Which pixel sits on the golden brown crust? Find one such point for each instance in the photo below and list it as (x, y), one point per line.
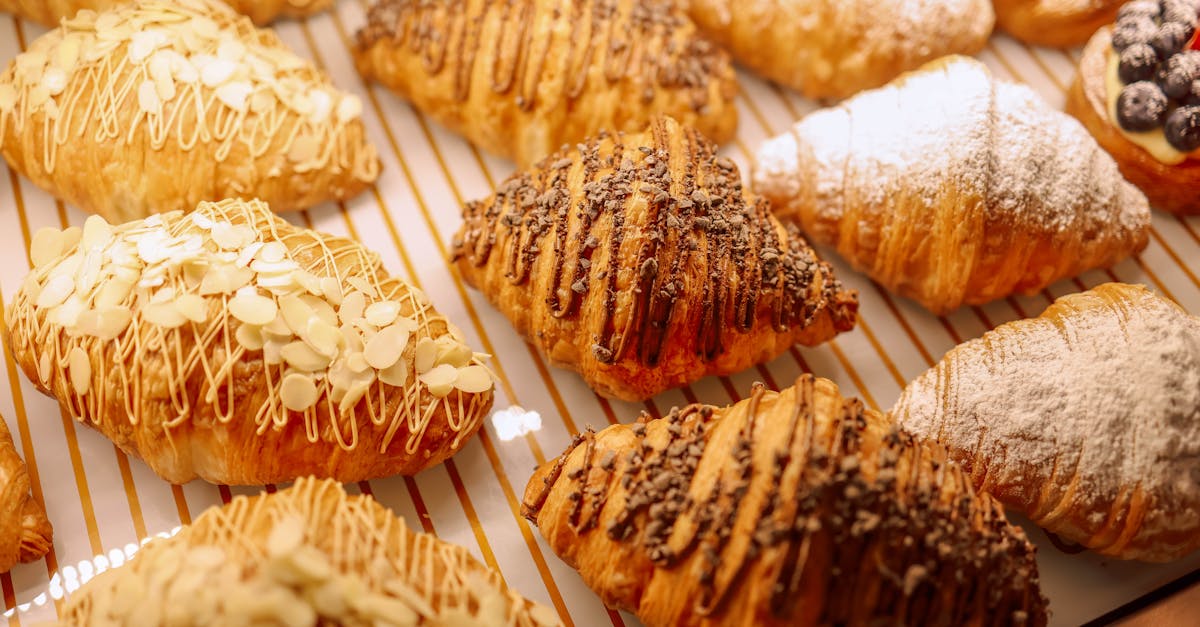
(1086, 419)
(1169, 187)
(1054, 23)
(157, 106)
(190, 381)
(951, 187)
(790, 508)
(640, 262)
(25, 533)
(309, 554)
(522, 78)
(51, 12)
(835, 48)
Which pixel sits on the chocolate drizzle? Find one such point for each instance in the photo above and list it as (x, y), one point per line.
(842, 517)
(636, 225)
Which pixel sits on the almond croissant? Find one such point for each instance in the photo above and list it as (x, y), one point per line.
(789, 508)
(638, 261)
(1087, 419)
(307, 555)
(951, 187)
(155, 106)
(51, 12)
(230, 345)
(521, 78)
(25, 533)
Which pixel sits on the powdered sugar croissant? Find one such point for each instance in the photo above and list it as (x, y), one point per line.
(230, 345)
(835, 48)
(639, 261)
(1059, 23)
(521, 78)
(951, 187)
(51, 12)
(1086, 418)
(25, 533)
(155, 106)
(307, 555)
(790, 508)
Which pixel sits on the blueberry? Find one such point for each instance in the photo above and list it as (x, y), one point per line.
(1138, 63)
(1136, 30)
(1140, 8)
(1182, 11)
(1177, 73)
(1193, 96)
(1183, 128)
(1141, 107)
(1171, 38)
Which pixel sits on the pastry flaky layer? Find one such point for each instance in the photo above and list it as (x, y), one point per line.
(522, 78)
(639, 261)
(51, 12)
(1086, 418)
(951, 187)
(307, 555)
(25, 532)
(1170, 187)
(835, 48)
(230, 345)
(155, 106)
(790, 508)
(1055, 23)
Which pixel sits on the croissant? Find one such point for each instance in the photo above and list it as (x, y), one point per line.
(1086, 419)
(307, 555)
(951, 187)
(51, 12)
(25, 533)
(790, 508)
(835, 48)
(638, 261)
(230, 345)
(156, 106)
(520, 78)
(1055, 23)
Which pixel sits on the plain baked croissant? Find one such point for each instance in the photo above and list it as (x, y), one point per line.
(790, 508)
(51, 12)
(155, 106)
(307, 555)
(639, 261)
(1087, 419)
(521, 78)
(1057, 23)
(25, 533)
(230, 345)
(835, 48)
(951, 187)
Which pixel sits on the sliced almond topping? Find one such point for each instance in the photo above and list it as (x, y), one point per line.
(356, 391)
(302, 357)
(352, 307)
(357, 363)
(331, 289)
(56, 290)
(225, 280)
(296, 313)
(46, 246)
(382, 313)
(54, 80)
(163, 314)
(440, 380)
(286, 535)
(426, 356)
(252, 308)
(43, 368)
(112, 293)
(80, 369)
(105, 323)
(386, 347)
(396, 374)
(323, 337)
(231, 237)
(453, 353)
(272, 352)
(235, 95)
(97, 233)
(362, 285)
(298, 392)
(8, 98)
(249, 337)
(272, 252)
(193, 307)
(213, 71)
(322, 308)
(350, 108)
(279, 328)
(148, 98)
(231, 50)
(67, 314)
(473, 380)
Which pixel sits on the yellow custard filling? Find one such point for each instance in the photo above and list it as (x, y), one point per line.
(1153, 142)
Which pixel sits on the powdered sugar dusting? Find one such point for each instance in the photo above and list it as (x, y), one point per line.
(1100, 395)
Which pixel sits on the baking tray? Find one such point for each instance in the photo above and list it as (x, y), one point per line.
(103, 503)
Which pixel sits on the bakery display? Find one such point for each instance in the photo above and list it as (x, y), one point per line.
(307, 555)
(1138, 92)
(156, 106)
(790, 508)
(1087, 419)
(640, 262)
(831, 49)
(51, 12)
(1055, 23)
(951, 187)
(521, 78)
(25, 533)
(229, 345)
